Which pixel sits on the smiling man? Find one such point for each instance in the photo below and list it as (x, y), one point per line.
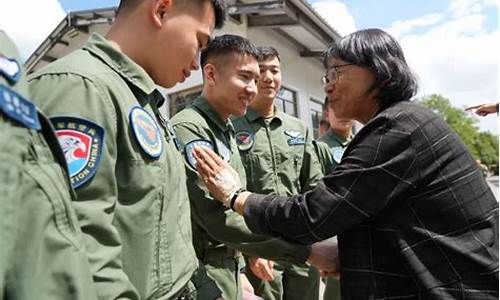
(132, 198)
(231, 75)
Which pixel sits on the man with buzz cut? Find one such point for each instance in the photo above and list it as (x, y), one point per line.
(279, 159)
(104, 103)
(231, 74)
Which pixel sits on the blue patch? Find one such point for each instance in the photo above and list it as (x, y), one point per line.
(82, 142)
(295, 139)
(337, 153)
(18, 108)
(146, 132)
(10, 69)
(223, 151)
(188, 150)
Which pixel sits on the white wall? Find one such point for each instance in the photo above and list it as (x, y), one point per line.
(300, 74)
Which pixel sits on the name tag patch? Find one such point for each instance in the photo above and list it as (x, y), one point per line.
(244, 140)
(295, 138)
(10, 69)
(146, 131)
(337, 153)
(188, 150)
(82, 142)
(18, 108)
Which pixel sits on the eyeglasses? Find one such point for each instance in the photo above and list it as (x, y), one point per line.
(332, 74)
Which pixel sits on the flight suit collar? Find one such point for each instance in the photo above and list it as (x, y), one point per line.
(253, 116)
(207, 109)
(125, 67)
(334, 136)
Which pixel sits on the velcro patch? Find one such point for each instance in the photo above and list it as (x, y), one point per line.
(10, 69)
(188, 150)
(295, 139)
(146, 131)
(82, 142)
(245, 140)
(337, 153)
(18, 108)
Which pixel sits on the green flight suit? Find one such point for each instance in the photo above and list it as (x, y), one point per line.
(132, 198)
(42, 253)
(279, 159)
(218, 230)
(330, 148)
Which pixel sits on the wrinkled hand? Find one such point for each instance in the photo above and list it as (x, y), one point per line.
(484, 109)
(261, 268)
(220, 178)
(324, 256)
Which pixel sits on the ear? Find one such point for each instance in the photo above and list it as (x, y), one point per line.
(210, 74)
(159, 10)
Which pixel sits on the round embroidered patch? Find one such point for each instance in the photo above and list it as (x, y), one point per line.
(244, 140)
(81, 142)
(146, 132)
(337, 153)
(10, 69)
(188, 150)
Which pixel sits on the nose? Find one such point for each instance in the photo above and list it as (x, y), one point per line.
(266, 76)
(251, 88)
(195, 64)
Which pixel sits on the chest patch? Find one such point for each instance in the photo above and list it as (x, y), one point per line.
(295, 138)
(244, 140)
(81, 142)
(146, 131)
(337, 153)
(18, 108)
(188, 150)
(10, 69)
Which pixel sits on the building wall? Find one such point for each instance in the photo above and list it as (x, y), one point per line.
(300, 74)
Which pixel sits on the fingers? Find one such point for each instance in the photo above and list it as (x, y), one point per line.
(473, 107)
(261, 268)
(204, 155)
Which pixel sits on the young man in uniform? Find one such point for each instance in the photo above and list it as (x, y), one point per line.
(231, 74)
(330, 146)
(279, 158)
(132, 199)
(42, 254)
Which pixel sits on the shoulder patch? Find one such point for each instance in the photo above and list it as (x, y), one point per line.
(188, 150)
(10, 69)
(18, 108)
(146, 131)
(337, 153)
(296, 138)
(245, 140)
(82, 142)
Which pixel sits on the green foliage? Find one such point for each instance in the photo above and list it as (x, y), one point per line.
(482, 145)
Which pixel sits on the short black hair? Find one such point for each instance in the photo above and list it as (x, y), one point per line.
(227, 44)
(219, 6)
(267, 52)
(377, 50)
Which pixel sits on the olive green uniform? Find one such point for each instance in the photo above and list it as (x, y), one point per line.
(218, 230)
(133, 207)
(279, 158)
(330, 148)
(42, 254)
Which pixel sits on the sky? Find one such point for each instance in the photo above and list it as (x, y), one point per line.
(451, 45)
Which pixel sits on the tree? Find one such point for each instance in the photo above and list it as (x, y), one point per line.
(482, 145)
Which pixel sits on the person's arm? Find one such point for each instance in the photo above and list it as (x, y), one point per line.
(311, 171)
(484, 109)
(380, 167)
(67, 95)
(223, 224)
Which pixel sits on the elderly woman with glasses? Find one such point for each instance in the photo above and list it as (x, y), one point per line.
(413, 214)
